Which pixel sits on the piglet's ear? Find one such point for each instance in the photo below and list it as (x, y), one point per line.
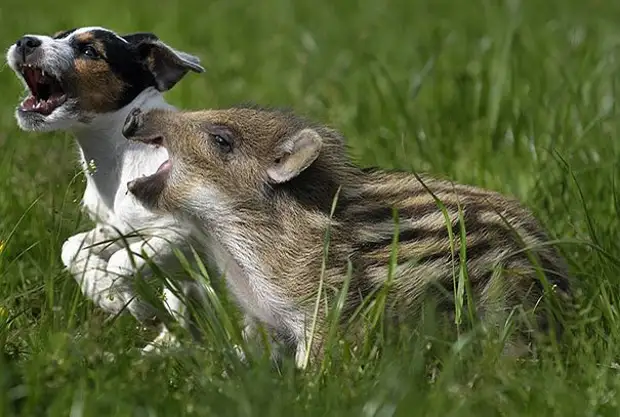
(298, 153)
(166, 64)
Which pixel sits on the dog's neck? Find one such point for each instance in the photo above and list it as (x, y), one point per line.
(102, 135)
(104, 150)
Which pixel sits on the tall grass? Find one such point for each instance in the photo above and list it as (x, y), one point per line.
(516, 96)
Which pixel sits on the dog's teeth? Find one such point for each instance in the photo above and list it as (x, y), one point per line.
(43, 73)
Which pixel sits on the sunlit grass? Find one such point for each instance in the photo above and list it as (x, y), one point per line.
(514, 96)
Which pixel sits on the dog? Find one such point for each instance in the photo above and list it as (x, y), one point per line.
(85, 81)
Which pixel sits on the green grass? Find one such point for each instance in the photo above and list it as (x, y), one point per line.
(514, 96)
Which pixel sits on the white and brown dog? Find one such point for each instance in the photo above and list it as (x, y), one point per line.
(86, 81)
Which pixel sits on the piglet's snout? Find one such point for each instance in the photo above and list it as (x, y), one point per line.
(137, 129)
(133, 123)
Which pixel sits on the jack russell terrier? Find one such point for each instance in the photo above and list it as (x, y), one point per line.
(85, 81)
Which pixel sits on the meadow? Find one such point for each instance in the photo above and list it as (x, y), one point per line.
(516, 96)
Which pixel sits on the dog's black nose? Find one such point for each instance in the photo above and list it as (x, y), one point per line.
(27, 45)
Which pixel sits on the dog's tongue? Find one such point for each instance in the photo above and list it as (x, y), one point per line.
(45, 107)
(29, 103)
(33, 77)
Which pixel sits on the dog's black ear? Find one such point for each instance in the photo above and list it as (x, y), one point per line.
(63, 33)
(166, 64)
(135, 38)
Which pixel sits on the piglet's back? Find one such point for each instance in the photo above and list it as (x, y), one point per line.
(499, 231)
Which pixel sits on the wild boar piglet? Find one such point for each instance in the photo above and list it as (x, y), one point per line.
(261, 183)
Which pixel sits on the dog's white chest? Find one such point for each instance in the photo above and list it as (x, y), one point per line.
(94, 205)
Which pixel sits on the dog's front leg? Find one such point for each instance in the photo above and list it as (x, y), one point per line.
(158, 250)
(85, 255)
(102, 240)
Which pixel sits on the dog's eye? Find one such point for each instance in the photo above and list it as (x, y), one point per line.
(90, 52)
(223, 143)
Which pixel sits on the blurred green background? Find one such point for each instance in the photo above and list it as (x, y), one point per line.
(518, 96)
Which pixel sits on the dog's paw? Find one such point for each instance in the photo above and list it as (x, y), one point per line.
(109, 301)
(241, 354)
(71, 249)
(164, 341)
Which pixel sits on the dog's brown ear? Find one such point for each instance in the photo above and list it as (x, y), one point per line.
(166, 64)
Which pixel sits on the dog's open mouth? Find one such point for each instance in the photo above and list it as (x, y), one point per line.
(46, 93)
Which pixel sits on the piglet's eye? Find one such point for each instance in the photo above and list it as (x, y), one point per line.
(90, 52)
(223, 143)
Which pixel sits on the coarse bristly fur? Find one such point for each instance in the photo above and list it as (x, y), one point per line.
(85, 81)
(261, 183)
